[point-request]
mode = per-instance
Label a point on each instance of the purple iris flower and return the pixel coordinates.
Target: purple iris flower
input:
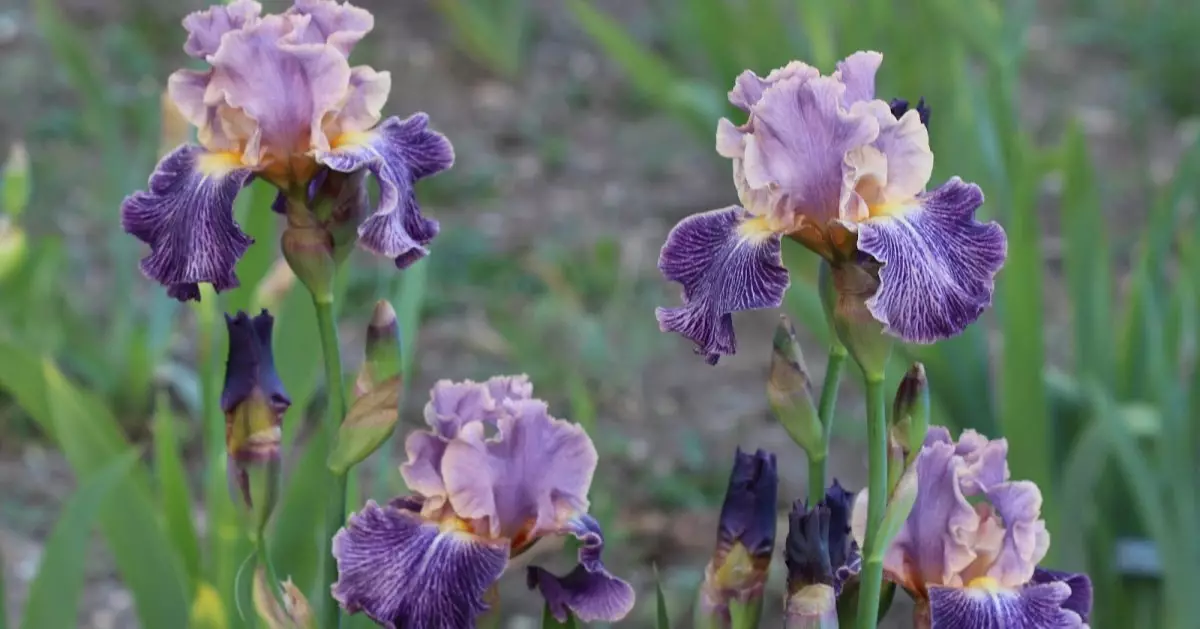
(822, 557)
(745, 536)
(968, 552)
(824, 162)
(280, 101)
(493, 475)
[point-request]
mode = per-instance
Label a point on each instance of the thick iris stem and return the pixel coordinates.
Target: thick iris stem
(829, 392)
(335, 510)
(871, 578)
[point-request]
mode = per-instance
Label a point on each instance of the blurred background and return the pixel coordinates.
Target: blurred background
(584, 130)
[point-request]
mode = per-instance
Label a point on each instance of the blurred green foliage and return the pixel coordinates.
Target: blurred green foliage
(1112, 436)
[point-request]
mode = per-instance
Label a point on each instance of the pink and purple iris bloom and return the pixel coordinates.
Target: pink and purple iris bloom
(494, 474)
(822, 161)
(968, 552)
(279, 101)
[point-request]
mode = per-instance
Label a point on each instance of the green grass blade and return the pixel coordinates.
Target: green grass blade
(54, 594)
(173, 494)
(300, 516)
(662, 619)
(90, 438)
(1024, 412)
(1086, 258)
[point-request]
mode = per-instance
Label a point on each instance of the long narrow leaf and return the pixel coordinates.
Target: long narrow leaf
(90, 438)
(173, 493)
(54, 594)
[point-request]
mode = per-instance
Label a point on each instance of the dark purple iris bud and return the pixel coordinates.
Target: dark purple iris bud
(745, 536)
(254, 402)
(820, 549)
(900, 106)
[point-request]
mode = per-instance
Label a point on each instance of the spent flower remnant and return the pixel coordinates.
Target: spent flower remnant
(280, 101)
(737, 572)
(821, 558)
(254, 402)
(822, 161)
(494, 474)
(969, 550)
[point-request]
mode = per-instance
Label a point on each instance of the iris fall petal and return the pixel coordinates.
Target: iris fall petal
(589, 591)
(398, 153)
(939, 263)
(1034, 607)
(403, 571)
(724, 268)
(186, 216)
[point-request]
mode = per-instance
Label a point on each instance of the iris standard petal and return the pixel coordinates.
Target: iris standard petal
(186, 216)
(799, 141)
(1080, 600)
(1026, 541)
(505, 388)
(892, 170)
(519, 478)
(726, 263)
(748, 88)
(422, 472)
(362, 106)
(1034, 607)
(939, 263)
(205, 28)
(936, 542)
(398, 152)
(340, 25)
(454, 404)
(590, 592)
(857, 73)
(286, 88)
(404, 572)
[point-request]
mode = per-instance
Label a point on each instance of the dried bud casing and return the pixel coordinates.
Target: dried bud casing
(790, 394)
(845, 289)
(294, 613)
(811, 607)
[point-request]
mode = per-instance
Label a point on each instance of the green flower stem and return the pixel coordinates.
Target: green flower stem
(335, 510)
(264, 560)
(828, 401)
(871, 578)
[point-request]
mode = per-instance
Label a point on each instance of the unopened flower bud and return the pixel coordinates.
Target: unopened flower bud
(845, 289)
(294, 613)
(745, 540)
(383, 349)
(373, 416)
(254, 402)
(308, 250)
(822, 558)
(910, 412)
(789, 393)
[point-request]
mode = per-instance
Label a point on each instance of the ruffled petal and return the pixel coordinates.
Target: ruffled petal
(857, 73)
(405, 572)
(1026, 541)
(589, 591)
(799, 140)
(519, 478)
(455, 404)
(892, 170)
(398, 152)
(362, 106)
(186, 216)
(748, 88)
(422, 472)
(340, 25)
(1080, 600)
(939, 263)
(1034, 607)
(726, 265)
(205, 28)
